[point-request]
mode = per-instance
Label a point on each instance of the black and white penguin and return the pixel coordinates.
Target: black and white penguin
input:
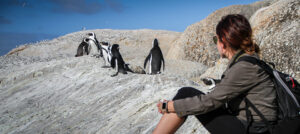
(155, 58)
(106, 53)
(211, 82)
(94, 45)
(83, 48)
(117, 61)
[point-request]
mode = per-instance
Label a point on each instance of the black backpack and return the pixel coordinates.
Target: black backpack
(288, 99)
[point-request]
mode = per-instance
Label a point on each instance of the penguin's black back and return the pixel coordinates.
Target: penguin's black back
(82, 48)
(116, 55)
(157, 58)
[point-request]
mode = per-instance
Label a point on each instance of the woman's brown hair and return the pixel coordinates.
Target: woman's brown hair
(234, 30)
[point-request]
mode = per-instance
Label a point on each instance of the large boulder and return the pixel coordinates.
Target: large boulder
(276, 31)
(135, 45)
(66, 46)
(196, 43)
(44, 88)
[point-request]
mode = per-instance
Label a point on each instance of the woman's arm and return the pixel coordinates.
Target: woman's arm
(238, 79)
(171, 107)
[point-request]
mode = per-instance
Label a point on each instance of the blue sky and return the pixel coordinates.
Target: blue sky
(24, 21)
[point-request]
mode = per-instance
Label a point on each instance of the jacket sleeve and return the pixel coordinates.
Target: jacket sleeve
(238, 79)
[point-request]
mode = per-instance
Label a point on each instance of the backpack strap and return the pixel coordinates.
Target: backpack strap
(258, 62)
(248, 117)
(249, 103)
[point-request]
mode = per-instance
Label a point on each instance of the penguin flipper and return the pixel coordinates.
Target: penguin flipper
(98, 44)
(163, 63)
(86, 48)
(112, 62)
(100, 49)
(146, 60)
(81, 49)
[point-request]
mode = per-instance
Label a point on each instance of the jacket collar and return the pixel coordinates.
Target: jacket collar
(239, 53)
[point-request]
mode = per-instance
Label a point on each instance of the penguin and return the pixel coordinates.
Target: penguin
(94, 45)
(83, 48)
(155, 58)
(106, 53)
(210, 81)
(117, 61)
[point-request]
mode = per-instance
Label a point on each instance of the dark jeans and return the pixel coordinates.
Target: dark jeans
(218, 121)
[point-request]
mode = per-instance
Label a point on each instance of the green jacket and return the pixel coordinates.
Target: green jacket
(242, 78)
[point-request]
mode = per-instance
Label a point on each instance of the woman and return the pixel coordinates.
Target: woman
(223, 110)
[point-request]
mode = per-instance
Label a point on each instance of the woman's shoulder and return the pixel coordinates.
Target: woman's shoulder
(243, 68)
(245, 64)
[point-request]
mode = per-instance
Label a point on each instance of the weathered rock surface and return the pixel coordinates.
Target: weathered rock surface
(196, 42)
(277, 31)
(75, 95)
(45, 89)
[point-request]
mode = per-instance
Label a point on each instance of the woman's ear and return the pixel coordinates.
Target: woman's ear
(220, 45)
(223, 46)
(222, 49)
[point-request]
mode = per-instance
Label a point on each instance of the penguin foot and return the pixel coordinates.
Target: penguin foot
(114, 74)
